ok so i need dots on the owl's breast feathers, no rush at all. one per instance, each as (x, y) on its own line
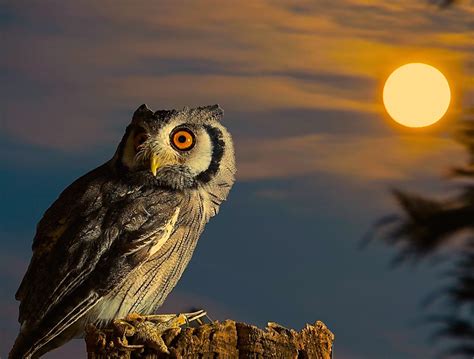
(93, 236)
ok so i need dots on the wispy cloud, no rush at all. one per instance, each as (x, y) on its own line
(72, 66)
(351, 157)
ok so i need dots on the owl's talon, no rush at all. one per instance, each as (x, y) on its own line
(124, 327)
(184, 318)
(123, 344)
(196, 316)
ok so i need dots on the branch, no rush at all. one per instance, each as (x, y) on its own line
(226, 339)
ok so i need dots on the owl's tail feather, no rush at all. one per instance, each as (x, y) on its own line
(22, 348)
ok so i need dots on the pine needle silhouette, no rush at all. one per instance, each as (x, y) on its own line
(426, 227)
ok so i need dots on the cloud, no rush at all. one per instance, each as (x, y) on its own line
(71, 67)
(352, 157)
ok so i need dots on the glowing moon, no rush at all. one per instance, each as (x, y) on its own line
(416, 95)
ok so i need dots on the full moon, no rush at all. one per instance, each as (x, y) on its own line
(416, 95)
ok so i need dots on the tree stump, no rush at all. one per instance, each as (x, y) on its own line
(226, 339)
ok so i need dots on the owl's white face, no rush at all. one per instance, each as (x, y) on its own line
(178, 149)
(178, 143)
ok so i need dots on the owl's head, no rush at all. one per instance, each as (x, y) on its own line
(177, 148)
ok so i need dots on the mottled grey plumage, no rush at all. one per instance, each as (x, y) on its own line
(118, 239)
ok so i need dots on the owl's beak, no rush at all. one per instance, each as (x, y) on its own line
(154, 164)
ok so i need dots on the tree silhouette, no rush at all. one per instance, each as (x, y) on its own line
(444, 3)
(426, 227)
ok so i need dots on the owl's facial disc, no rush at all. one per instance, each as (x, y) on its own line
(179, 149)
(181, 139)
(151, 153)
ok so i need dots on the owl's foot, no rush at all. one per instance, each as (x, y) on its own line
(124, 329)
(182, 318)
(153, 331)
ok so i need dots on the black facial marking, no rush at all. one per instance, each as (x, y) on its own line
(218, 146)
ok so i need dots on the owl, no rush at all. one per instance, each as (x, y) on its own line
(118, 239)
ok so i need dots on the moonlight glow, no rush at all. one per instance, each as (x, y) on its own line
(416, 95)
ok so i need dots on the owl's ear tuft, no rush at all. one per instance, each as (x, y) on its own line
(143, 108)
(141, 112)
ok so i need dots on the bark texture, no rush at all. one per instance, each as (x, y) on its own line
(226, 339)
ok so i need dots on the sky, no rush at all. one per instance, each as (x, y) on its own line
(301, 86)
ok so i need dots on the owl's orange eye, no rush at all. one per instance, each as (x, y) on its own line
(139, 140)
(183, 139)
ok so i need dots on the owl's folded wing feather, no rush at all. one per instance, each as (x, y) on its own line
(86, 244)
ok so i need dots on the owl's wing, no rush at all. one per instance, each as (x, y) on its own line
(90, 239)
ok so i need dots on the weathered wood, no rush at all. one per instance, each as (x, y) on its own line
(226, 339)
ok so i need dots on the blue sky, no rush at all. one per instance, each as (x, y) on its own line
(316, 154)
